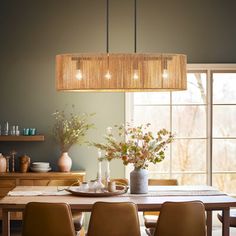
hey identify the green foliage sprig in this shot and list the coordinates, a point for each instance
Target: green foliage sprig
(136, 145)
(70, 129)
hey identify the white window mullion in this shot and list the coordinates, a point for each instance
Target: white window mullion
(171, 150)
(209, 127)
(129, 117)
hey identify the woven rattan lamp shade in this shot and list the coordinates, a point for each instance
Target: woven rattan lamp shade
(127, 72)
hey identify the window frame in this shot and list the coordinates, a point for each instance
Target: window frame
(209, 69)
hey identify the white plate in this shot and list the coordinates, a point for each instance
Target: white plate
(41, 164)
(40, 169)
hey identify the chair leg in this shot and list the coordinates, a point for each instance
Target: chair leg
(150, 231)
(81, 232)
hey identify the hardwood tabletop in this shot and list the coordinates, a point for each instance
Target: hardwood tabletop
(215, 201)
(211, 198)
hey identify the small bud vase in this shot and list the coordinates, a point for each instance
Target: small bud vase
(139, 181)
(64, 162)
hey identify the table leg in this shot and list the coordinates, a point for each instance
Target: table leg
(5, 222)
(209, 223)
(225, 223)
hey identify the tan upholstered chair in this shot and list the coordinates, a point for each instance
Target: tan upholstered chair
(121, 181)
(47, 219)
(181, 219)
(77, 216)
(114, 219)
(232, 218)
(150, 218)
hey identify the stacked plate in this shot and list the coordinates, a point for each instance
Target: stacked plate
(40, 167)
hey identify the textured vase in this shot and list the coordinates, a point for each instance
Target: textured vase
(64, 162)
(139, 181)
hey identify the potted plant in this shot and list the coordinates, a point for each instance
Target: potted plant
(69, 129)
(137, 146)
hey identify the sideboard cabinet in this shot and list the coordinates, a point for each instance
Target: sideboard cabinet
(10, 180)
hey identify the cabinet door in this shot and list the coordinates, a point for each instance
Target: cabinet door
(64, 182)
(6, 185)
(33, 182)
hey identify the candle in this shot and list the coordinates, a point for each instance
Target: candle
(100, 185)
(108, 168)
(99, 164)
(107, 173)
(99, 170)
(99, 153)
(7, 126)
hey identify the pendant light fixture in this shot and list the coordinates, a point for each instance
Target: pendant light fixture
(121, 72)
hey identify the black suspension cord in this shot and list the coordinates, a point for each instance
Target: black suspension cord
(135, 26)
(107, 49)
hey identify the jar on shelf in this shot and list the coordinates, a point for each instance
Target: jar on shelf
(6, 129)
(24, 163)
(3, 163)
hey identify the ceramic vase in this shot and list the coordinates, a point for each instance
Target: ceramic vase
(139, 181)
(64, 162)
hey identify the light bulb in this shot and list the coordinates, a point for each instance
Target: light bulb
(108, 75)
(135, 76)
(79, 75)
(165, 74)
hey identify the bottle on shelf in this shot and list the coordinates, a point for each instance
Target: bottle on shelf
(6, 128)
(17, 130)
(3, 163)
(13, 130)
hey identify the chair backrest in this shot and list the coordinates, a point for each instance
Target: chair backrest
(162, 182)
(121, 181)
(114, 219)
(47, 219)
(159, 182)
(181, 219)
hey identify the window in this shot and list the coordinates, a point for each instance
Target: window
(224, 131)
(203, 122)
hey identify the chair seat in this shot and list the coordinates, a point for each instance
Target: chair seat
(150, 221)
(232, 218)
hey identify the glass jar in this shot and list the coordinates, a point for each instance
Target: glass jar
(84, 187)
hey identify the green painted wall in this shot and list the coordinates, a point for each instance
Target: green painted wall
(33, 32)
(203, 29)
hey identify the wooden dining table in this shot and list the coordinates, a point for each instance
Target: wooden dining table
(212, 199)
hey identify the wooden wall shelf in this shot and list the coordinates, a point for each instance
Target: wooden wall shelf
(21, 138)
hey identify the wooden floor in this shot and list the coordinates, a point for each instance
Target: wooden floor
(216, 232)
(16, 231)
